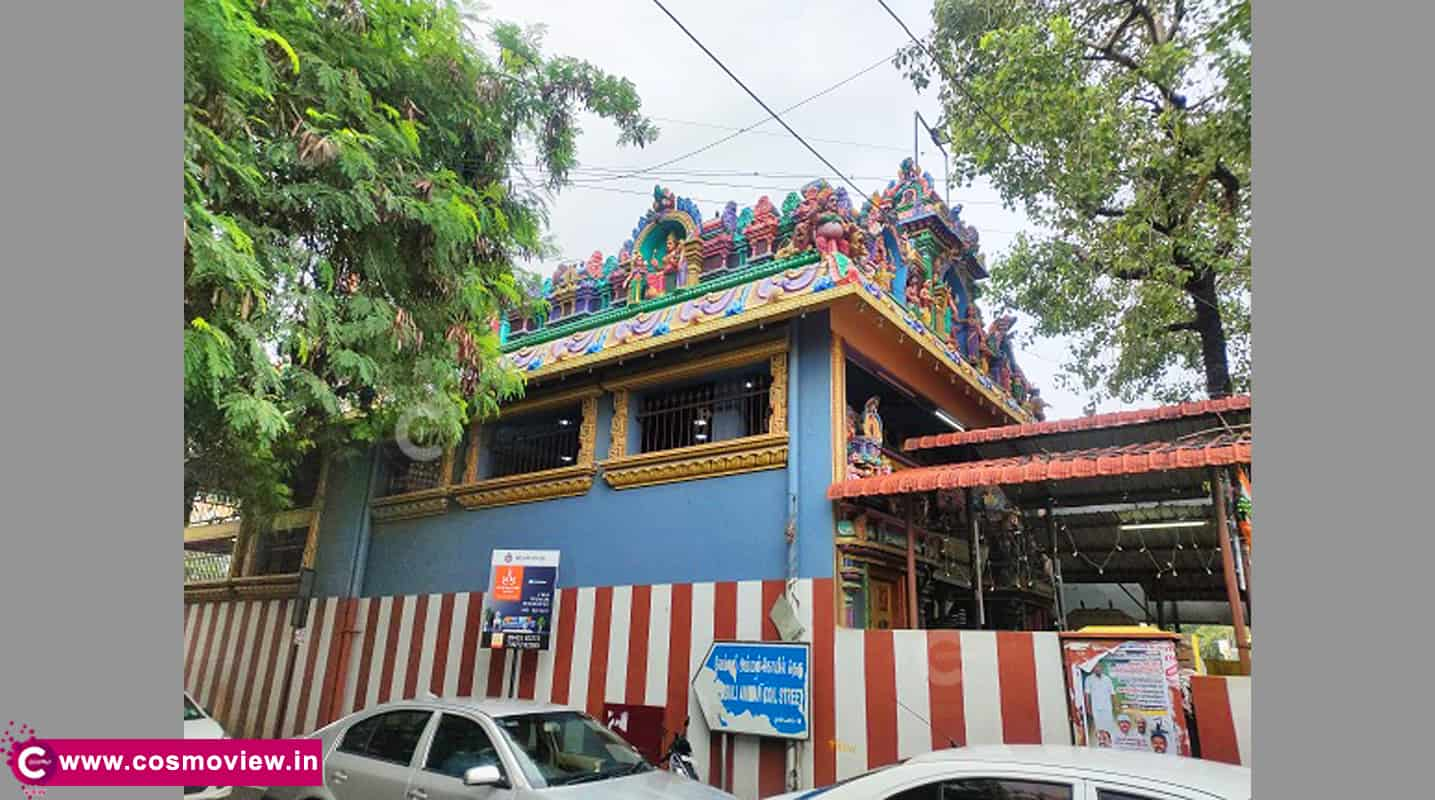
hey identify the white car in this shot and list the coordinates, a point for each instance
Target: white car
(484, 749)
(1041, 773)
(198, 724)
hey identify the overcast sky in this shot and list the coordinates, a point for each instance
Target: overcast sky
(784, 52)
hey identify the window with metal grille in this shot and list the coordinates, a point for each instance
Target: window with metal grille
(712, 409)
(281, 552)
(534, 441)
(208, 560)
(403, 474)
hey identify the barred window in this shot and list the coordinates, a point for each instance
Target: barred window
(208, 560)
(403, 474)
(281, 552)
(712, 409)
(533, 442)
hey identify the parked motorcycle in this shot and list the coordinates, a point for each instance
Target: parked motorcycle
(679, 757)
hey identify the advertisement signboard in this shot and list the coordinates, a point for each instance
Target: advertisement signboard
(1125, 692)
(518, 606)
(756, 688)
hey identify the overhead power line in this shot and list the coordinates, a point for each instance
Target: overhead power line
(867, 145)
(759, 101)
(736, 132)
(702, 180)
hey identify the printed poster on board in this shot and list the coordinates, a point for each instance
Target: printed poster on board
(1125, 694)
(518, 606)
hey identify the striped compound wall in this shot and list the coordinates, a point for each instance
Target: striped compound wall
(877, 695)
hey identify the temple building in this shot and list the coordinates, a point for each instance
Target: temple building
(721, 413)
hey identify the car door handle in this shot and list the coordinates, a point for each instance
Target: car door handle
(418, 794)
(339, 776)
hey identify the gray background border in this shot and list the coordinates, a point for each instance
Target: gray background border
(90, 611)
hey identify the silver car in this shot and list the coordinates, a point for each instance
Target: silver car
(481, 749)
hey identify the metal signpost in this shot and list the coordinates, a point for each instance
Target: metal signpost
(518, 606)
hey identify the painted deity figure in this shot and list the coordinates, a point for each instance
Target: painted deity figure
(871, 420)
(872, 434)
(656, 279)
(636, 279)
(828, 232)
(1000, 351)
(941, 300)
(673, 258)
(919, 297)
(974, 336)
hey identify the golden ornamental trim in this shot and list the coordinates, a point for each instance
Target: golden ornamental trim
(715, 363)
(470, 455)
(732, 457)
(410, 505)
(618, 434)
(588, 431)
(528, 405)
(545, 485)
(777, 393)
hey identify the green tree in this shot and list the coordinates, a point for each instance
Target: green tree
(1123, 130)
(352, 220)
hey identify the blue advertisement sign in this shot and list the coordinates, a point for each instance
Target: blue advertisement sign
(756, 688)
(518, 606)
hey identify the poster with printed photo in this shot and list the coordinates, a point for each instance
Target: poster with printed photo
(1125, 693)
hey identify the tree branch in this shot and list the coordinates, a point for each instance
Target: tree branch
(1230, 186)
(1115, 37)
(1153, 25)
(1176, 18)
(1188, 325)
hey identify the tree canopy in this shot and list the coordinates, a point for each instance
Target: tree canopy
(354, 206)
(1123, 130)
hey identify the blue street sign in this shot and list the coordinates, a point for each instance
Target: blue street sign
(756, 688)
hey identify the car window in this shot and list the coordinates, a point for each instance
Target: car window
(987, 789)
(564, 747)
(356, 739)
(191, 711)
(1108, 794)
(460, 744)
(396, 735)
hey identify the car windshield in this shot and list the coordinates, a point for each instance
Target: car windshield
(559, 748)
(191, 711)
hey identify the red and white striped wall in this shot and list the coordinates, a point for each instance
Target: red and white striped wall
(877, 696)
(1223, 717)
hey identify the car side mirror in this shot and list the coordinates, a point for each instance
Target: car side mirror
(486, 775)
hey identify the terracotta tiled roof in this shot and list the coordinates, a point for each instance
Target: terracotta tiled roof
(1134, 459)
(1111, 420)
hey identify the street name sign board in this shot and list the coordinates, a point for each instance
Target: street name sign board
(756, 688)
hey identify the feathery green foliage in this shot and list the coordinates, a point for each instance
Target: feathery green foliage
(352, 216)
(1131, 122)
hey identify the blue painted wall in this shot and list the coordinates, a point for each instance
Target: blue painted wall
(343, 524)
(728, 528)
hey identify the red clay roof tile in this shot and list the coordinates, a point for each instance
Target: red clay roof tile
(1134, 459)
(1111, 420)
